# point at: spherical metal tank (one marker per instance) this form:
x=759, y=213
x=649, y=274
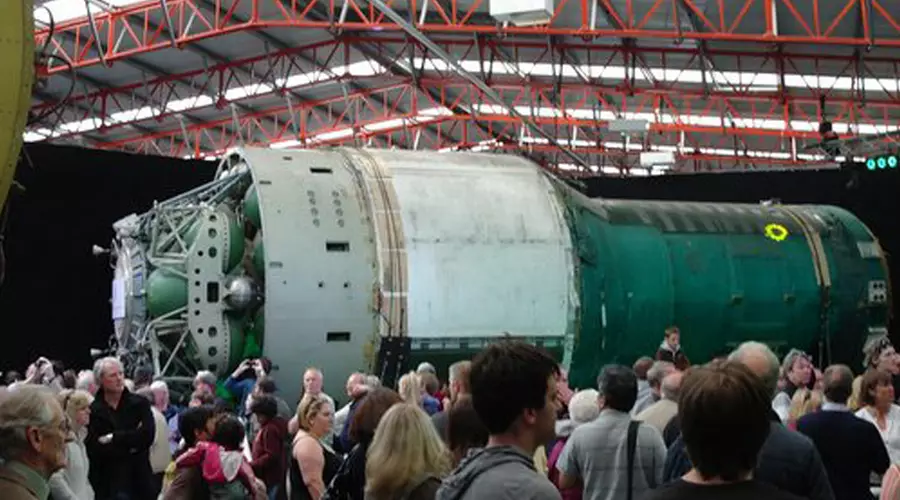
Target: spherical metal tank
x=407, y=256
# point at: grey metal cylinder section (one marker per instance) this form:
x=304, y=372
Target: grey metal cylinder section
x=319, y=267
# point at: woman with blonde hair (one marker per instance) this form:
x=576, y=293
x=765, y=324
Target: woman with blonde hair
x=804, y=401
x=407, y=458
x=410, y=389
x=71, y=483
x=313, y=465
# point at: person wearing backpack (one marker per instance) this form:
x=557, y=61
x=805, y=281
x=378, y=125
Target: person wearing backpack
x=614, y=457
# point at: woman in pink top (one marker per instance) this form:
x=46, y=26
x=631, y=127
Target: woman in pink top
x=583, y=408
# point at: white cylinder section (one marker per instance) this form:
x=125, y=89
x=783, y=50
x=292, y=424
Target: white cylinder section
x=487, y=245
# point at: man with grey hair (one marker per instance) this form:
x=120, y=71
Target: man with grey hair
x=655, y=376
x=788, y=460
x=313, y=379
x=660, y=413
x=205, y=380
x=162, y=402
x=33, y=431
x=120, y=434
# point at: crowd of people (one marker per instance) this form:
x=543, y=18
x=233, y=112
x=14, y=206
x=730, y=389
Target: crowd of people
x=505, y=425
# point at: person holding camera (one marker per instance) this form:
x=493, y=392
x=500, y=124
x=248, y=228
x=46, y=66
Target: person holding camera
x=241, y=382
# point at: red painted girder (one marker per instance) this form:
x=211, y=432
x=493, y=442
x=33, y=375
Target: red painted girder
x=177, y=148
x=193, y=21
x=457, y=93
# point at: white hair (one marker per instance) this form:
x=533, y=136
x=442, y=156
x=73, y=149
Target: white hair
x=456, y=369
x=584, y=406
x=372, y=381
x=29, y=405
x=159, y=386
x=101, y=365
x=426, y=367
x=207, y=377
x=658, y=372
x=758, y=348
x=86, y=381
x=671, y=386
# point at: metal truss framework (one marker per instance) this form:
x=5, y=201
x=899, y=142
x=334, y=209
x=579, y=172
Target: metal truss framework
x=133, y=30
x=711, y=121
x=567, y=101
x=442, y=136
x=376, y=121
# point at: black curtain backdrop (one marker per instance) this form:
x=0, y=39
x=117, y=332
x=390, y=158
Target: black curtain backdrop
x=55, y=298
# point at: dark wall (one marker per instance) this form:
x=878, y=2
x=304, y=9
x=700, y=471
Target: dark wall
x=873, y=196
x=55, y=297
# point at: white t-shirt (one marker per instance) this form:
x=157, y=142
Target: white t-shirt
x=890, y=434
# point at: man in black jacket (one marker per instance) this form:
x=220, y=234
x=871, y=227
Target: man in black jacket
x=851, y=448
x=119, y=437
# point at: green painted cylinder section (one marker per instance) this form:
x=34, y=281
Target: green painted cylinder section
x=208, y=222
x=236, y=327
x=166, y=292
x=259, y=256
x=235, y=238
x=789, y=276
x=251, y=207
x=257, y=327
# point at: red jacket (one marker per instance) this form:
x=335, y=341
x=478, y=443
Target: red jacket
x=218, y=465
x=269, y=455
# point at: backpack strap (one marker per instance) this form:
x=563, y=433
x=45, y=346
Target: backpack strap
x=630, y=450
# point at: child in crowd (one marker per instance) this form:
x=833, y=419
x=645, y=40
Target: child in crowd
x=224, y=467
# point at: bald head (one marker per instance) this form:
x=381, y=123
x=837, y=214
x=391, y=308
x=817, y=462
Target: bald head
x=761, y=361
x=671, y=385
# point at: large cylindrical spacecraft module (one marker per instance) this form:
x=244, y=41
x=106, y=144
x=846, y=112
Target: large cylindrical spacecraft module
x=373, y=260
